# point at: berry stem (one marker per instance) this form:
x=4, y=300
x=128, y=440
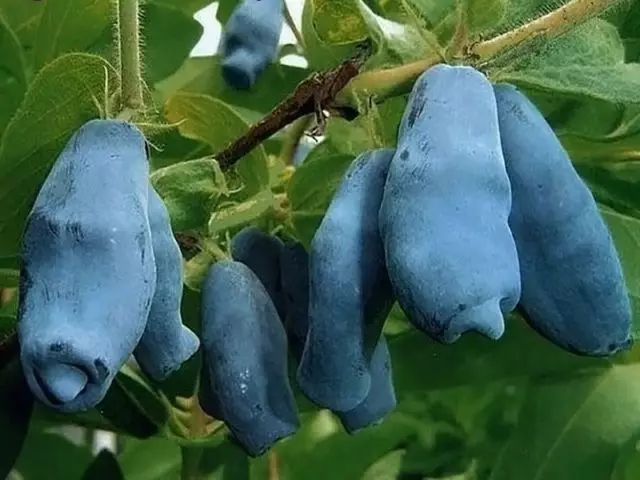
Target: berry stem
x=129, y=43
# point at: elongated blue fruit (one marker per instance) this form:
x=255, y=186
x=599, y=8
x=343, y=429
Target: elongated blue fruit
x=88, y=273
x=166, y=343
x=381, y=398
x=451, y=257
x=349, y=291
x=249, y=41
x=573, y=289
x=294, y=274
x=261, y=253
x=245, y=359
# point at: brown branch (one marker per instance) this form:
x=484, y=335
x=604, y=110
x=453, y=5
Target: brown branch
x=312, y=95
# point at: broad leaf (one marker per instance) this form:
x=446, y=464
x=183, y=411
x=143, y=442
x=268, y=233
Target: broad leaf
x=573, y=427
x=153, y=459
x=190, y=191
x=69, y=25
x=169, y=34
x=627, y=465
x=203, y=75
x=63, y=458
x=310, y=198
x=60, y=100
x=588, y=62
x=241, y=214
x=216, y=123
x=13, y=75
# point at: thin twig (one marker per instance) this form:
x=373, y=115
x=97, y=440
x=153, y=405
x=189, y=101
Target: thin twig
x=311, y=96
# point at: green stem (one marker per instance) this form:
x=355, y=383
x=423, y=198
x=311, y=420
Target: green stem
x=129, y=42
x=292, y=25
x=386, y=83
x=190, y=469
x=550, y=25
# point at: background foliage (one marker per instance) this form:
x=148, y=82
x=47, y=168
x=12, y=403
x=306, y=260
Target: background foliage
x=518, y=408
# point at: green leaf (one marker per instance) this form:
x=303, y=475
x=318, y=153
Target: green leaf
x=345, y=22
x=16, y=406
x=153, y=459
x=574, y=427
x=24, y=19
x=203, y=75
x=13, y=75
x=188, y=6
x=143, y=394
x=614, y=185
x=190, y=191
x=588, y=62
x=241, y=214
x=627, y=465
x=335, y=454
x=375, y=127
x=389, y=466
x=339, y=22
x=59, y=101
x=481, y=15
x=163, y=52
x=63, y=458
x=225, y=9
x=216, y=123
x=309, y=197
x=104, y=467
x=133, y=406
x=69, y=25
x=397, y=43
x=320, y=55
x=225, y=461
x=9, y=278
x=475, y=360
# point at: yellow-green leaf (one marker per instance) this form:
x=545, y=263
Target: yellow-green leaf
x=241, y=213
